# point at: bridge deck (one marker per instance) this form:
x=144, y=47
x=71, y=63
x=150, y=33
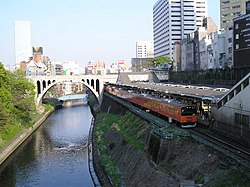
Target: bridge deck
x=73, y=97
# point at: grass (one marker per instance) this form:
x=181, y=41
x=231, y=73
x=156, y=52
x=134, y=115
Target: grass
x=129, y=137
x=108, y=165
x=8, y=132
x=177, y=133
x=92, y=101
x=199, y=179
x=103, y=123
x=128, y=127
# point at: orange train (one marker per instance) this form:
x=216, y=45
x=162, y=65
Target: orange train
x=181, y=113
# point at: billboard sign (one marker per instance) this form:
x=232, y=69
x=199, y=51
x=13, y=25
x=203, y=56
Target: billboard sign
x=120, y=62
x=37, y=50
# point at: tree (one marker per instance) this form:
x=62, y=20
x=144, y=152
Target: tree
x=4, y=77
x=160, y=60
x=23, y=96
x=6, y=107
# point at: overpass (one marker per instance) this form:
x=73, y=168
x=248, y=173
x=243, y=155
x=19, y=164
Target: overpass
x=73, y=97
x=94, y=82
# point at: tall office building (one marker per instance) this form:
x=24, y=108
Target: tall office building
x=23, y=48
x=144, y=49
x=241, y=41
x=230, y=9
x=173, y=20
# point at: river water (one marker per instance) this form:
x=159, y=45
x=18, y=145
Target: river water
x=55, y=155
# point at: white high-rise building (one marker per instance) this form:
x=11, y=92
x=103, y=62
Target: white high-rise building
x=23, y=48
x=173, y=20
x=144, y=49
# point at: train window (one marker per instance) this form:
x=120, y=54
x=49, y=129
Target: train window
x=171, y=110
x=188, y=111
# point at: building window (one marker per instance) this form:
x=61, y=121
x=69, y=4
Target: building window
x=237, y=36
x=245, y=120
x=237, y=46
x=236, y=6
x=237, y=118
x=242, y=119
x=225, y=2
x=237, y=26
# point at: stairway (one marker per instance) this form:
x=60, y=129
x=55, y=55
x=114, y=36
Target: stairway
x=240, y=86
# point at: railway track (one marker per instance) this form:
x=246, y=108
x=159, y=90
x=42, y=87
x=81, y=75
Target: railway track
x=241, y=155
x=238, y=154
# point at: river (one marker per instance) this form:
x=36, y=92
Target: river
x=55, y=155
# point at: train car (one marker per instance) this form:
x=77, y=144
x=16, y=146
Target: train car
x=181, y=113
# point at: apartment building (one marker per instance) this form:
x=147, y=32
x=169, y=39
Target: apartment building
x=242, y=41
x=230, y=9
x=144, y=49
x=173, y=20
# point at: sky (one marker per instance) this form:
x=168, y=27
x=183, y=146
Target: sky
x=82, y=30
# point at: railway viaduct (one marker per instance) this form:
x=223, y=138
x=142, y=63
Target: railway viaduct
x=94, y=82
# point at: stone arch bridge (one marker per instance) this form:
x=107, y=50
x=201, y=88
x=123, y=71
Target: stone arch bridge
x=94, y=82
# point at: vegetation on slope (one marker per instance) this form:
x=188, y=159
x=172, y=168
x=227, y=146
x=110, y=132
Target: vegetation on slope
x=128, y=127
x=17, y=104
x=103, y=123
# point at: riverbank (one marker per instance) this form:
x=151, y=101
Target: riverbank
x=12, y=145
x=102, y=176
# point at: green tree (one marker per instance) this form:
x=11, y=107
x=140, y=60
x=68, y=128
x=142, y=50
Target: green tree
x=6, y=107
x=17, y=104
x=160, y=60
x=23, y=97
x=4, y=77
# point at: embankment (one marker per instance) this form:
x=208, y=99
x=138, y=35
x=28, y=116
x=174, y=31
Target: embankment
x=10, y=147
x=143, y=158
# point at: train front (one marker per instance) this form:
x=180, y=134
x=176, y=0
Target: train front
x=188, y=117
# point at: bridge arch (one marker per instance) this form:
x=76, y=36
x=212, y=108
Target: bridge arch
x=38, y=86
x=44, y=84
x=93, y=82
x=40, y=96
x=97, y=87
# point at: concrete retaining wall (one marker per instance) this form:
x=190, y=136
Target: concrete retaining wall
x=7, y=150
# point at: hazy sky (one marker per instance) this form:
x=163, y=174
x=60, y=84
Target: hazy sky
x=82, y=30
